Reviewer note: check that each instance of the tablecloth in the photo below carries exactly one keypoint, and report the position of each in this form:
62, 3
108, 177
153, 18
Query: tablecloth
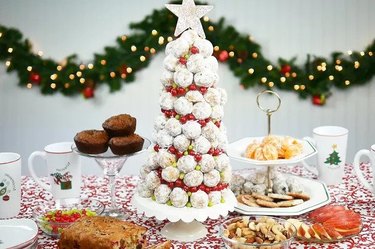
349, 193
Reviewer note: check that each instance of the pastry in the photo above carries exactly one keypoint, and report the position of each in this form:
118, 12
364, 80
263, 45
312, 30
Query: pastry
120, 125
92, 141
101, 232
126, 145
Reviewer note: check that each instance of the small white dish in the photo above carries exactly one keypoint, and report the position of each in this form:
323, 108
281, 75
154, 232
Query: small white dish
317, 191
238, 148
25, 229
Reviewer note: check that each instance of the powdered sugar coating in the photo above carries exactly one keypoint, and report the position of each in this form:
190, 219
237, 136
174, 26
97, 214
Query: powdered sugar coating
152, 180
180, 47
199, 199
214, 197
183, 106
143, 191
190, 36
205, 47
166, 101
210, 63
217, 112
212, 96
202, 110
159, 122
170, 62
222, 162
179, 197
163, 139
152, 160
183, 77
202, 145
191, 129
212, 178
166, 159
167, 78
173, 127
194, 96
162, 193
205, 78
186, 164
195, 63
226, 175
193, 178
170, 174
211, 132
223, 96
181, 142
207, 163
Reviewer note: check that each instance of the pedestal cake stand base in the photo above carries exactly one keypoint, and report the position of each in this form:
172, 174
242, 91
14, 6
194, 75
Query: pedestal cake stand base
184, 232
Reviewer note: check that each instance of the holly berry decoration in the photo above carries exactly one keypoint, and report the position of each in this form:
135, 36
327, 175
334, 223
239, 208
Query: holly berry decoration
123, 71
223, 56
285, 69
35, 78
88, 92
319, 99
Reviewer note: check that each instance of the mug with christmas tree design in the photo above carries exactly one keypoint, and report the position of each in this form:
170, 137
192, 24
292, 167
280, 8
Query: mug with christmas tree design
371, 155
331, 143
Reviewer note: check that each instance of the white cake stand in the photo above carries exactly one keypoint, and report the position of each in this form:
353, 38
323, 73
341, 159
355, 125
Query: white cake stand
185, 223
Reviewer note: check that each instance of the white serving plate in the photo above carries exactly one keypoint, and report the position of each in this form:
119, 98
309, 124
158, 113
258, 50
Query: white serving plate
237, 149
17, 233
319, 196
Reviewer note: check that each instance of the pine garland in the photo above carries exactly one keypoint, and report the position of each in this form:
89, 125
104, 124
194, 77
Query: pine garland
118, 64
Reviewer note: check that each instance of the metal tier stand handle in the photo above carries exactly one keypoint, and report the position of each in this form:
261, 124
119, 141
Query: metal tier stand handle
269, 113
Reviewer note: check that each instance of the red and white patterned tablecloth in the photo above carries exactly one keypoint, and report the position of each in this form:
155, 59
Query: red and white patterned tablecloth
349, 193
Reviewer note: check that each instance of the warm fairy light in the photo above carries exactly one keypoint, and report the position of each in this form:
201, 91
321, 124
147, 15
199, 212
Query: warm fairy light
362, 53
347, 82
161, 40
287, 75
350, 52
71, 76
103, 62
356, 64
152, 51
82, 67
319, 68
302, 87
82, 80
338, 62
90, 66
146, 49
112, 74
324, 64
53, 76
133, 48
142, 58
29, 68
216, 48
154, 32
29, 85
66, 85
53, 85
331, 77
124, 37
129, 70
282, 79
311, 77
170, 38
250, 71
211, 28
123, 75
7, 63
1, 34
79, 74
338, 68
370, 53
59, 68
296, 87
251, 38
40, 53
271, 84
294, 74
231, 54
269, 67
254, 55
206, 18
10, 50
263, 79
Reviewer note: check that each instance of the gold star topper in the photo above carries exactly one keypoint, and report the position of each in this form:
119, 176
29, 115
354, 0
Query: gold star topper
188, 16
334, 146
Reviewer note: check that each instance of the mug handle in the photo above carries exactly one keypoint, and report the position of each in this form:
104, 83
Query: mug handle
358, 171
31, 168
312, 169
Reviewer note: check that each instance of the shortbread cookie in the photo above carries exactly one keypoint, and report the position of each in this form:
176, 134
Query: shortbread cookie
262, 197
280, 196
302, 196
268, 204
290, 203
249, 201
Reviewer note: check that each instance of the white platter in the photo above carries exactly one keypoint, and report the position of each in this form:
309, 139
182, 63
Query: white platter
319, 196
25, 229
237, 149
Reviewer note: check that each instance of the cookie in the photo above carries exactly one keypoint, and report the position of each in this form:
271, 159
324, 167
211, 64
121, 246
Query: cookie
249, 201
262, 197
302, 196
280, 196
268, 204
290, 203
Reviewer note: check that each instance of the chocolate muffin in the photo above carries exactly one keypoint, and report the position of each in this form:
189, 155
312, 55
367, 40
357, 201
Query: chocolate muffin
126, 145
92, 141
120, 125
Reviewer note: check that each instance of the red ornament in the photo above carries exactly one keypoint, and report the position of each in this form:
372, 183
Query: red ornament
319, 99
6, 198
285, 69
223, 56
88, 92
123, 70
35, 78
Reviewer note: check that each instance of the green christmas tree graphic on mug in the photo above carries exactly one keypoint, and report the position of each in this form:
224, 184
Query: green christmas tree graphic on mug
64, 180
334, 158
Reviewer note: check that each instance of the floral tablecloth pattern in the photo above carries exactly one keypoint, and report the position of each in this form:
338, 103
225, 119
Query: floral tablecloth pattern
349, 193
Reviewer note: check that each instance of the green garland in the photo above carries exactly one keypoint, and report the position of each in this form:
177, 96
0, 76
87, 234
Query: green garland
133, 52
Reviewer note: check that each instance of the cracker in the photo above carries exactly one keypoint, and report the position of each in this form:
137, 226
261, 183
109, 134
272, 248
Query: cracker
262, 197
249, 200
264, 203
302, 196
280, 196
290, 203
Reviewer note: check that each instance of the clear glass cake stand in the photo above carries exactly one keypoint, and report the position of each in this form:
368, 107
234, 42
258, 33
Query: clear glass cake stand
111, 165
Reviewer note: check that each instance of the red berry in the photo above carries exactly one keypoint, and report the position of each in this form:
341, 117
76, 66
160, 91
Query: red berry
202, 123
173, 113
194, 50
192, 153
174, 92
193, 189
211, 151
202, 187
168, 113
178, 183
183, 60
218, 123
168, 88
181, 91
172, 149
163, 111
88, 92
198, 157
207, 120
203, 90
171, 185
190, 116
216, 152
156, 147
186, 188
183, 119
193, 87
179, 154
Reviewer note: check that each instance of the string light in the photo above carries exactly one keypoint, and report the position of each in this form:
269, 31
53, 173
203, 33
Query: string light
53, 85
370, 53
71, 76
350, 52
154, 32
263, 79
1, 34
356, 64
142, 58
82, 80
170, 38
40, 53
347, 82
294, 74
338, 62
10, 50
66, 85
59, 68
251, 38
146, 49
161, 40
124, 37
112, 74
53, 76
211, 28
133, 48
296, 87
123, 75
129, 70
282, 79
206, 18
269, 67
338, 68
231, 54
29, 68
251, 70
302, 87
29, 85
90, 66
271, 84
82, 67
7, 63
216, 48
362, 53
103, 62
254, 55
311, 77
331, 77
152, 51
79, 73
287, 75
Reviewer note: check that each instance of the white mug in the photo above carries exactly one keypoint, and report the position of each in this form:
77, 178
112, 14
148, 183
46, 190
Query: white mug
64, 171
10, 184
331, 143
371, 156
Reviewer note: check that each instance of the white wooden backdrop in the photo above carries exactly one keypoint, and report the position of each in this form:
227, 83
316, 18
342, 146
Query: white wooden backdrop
29, 120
